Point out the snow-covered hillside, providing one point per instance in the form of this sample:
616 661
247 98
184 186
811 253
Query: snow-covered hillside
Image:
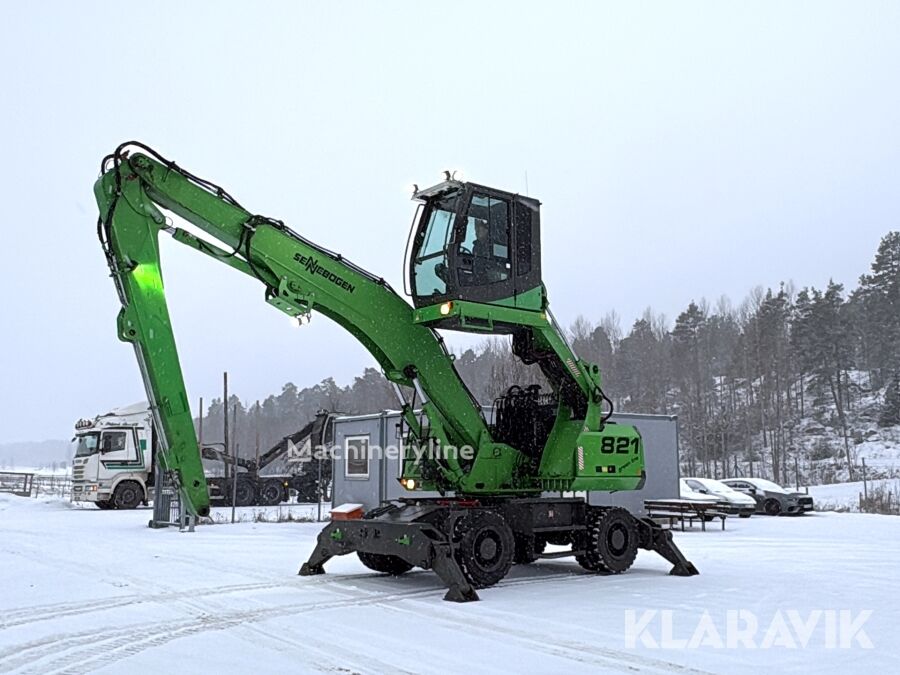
85 590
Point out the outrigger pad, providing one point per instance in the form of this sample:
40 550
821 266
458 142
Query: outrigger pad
457 594
655 538
307 570
447 568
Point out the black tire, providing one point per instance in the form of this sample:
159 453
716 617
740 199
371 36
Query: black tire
612 541
744 515
271 493
386 564
772 507
246 493
528 549
104 504
485 547
127 495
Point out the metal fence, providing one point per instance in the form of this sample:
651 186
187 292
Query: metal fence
53 486
16 483
168 507
35 485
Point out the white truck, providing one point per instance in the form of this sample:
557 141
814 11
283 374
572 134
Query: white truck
115 452
113 462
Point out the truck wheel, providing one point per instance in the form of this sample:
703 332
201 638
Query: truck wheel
485 549
272 492
246 493
772 507
386 564
612 541
127 495
104 504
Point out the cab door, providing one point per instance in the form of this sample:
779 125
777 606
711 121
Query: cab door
480 254
118 450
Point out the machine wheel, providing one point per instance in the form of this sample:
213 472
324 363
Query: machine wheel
246 493
744 515
772 507
528 549
127 495
386 564
612 541
485 547
104 504
271 493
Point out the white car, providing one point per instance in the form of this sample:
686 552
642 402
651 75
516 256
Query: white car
707 489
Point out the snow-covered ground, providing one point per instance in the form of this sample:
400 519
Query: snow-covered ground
845 496
85 590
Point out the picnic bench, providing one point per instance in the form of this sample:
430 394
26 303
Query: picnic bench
681 510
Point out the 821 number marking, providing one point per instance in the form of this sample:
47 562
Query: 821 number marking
618 444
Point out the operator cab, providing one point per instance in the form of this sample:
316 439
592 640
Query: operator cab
473 243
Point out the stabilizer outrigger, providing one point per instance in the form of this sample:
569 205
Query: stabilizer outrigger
463 541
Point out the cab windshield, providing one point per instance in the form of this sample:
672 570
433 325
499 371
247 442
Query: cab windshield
430 262
86 444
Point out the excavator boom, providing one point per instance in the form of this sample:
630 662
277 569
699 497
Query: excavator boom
298 276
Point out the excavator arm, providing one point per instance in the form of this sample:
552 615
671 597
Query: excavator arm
132 193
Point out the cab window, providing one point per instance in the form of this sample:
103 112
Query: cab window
483 252
430 270
113 441
86 444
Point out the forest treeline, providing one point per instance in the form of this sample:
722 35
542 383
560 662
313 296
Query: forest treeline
742 378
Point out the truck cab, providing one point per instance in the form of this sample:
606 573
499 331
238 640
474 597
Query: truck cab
113 463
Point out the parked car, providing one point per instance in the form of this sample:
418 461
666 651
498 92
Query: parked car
696 495
772 499
732 502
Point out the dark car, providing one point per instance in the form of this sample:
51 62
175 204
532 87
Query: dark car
771 499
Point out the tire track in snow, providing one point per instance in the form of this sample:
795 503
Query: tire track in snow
569 649
90 649
85 650
38 613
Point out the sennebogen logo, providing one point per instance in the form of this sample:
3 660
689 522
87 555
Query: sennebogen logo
313 267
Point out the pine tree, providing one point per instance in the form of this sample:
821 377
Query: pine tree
890 412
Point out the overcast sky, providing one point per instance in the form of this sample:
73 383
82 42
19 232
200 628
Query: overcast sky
681 151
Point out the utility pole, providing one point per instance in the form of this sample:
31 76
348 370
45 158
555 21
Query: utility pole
200 431
865 486
225 414
234 472
256 419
